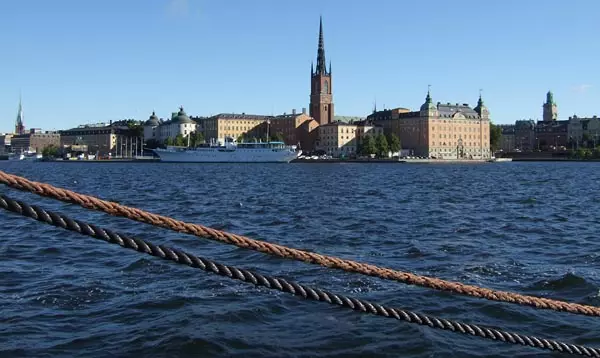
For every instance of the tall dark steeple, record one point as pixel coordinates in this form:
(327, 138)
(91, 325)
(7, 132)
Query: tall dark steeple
(321, 64)
(19, 126)
(321, 91)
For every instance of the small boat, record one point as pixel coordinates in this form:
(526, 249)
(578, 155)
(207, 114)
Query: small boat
(28, 155)
(499, 160)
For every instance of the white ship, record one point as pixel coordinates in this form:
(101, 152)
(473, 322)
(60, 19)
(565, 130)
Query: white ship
(231, 152)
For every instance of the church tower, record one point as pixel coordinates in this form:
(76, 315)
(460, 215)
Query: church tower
(19, 127)
(321, 89)
(550, 108)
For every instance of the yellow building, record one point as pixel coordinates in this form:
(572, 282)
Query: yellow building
(232, 125)
(444, 131)
(343, 139)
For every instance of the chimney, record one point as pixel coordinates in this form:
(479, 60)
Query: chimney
(294, 111)
(303, 110)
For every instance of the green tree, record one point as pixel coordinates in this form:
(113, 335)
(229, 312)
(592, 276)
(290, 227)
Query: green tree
(367, 145)
(394, 143)
(495, 137)
(382, 146)
(169, 141)
(196, 138)
(180, 140)
(50, 151)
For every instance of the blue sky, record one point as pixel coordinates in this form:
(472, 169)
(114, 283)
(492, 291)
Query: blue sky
(80, 61)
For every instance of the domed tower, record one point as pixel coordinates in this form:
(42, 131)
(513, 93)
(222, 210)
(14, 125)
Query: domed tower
(150, 127)
(550, 108)
(481, 109)
(429, 109)
(182, 124)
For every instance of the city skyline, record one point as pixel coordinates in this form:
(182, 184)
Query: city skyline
(160, 58)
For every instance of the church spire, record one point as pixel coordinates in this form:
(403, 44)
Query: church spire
(321, 65)
(19, 127)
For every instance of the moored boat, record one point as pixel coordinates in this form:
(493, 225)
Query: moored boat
(499, 160)
(231, 152)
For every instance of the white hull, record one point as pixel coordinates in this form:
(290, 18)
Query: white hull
(500, 160)
(27, 156)
(229, 155)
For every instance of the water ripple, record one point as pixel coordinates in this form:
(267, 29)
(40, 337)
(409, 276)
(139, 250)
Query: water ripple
(523, 227)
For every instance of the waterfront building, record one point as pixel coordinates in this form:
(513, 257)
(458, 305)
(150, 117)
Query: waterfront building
(5, 140)
(552, 135)
(340, 139)
(222, 125)
(114, 140)
(159, 130)
(34, 141)
(446, 131)
(295, 129)
(583, 131)
(507, 140)
(321, 86)
(525, 138)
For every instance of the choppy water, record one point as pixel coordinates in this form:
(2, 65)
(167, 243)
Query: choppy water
(525, 227)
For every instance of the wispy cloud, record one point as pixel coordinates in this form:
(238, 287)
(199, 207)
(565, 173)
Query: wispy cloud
(581, 88)
(178, 8)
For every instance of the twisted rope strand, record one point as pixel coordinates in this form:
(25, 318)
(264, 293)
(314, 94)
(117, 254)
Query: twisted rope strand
(116, 209)
(286, 286)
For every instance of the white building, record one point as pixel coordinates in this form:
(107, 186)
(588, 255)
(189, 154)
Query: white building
(160, 130)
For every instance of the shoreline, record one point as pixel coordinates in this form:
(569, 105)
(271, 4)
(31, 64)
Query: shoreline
(325, 161)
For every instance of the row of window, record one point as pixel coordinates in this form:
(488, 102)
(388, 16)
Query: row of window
(466, 144)
(466, 136)
(457, 129)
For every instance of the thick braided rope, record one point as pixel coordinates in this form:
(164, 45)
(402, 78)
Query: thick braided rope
(283, 285)
(116, 209)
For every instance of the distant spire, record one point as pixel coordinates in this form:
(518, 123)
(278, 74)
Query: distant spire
(321, 69)
(312, 67)
(480, 102)
(330, 67)
(19, 127)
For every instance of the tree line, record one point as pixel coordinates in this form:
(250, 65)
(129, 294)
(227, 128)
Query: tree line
(379, 145)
